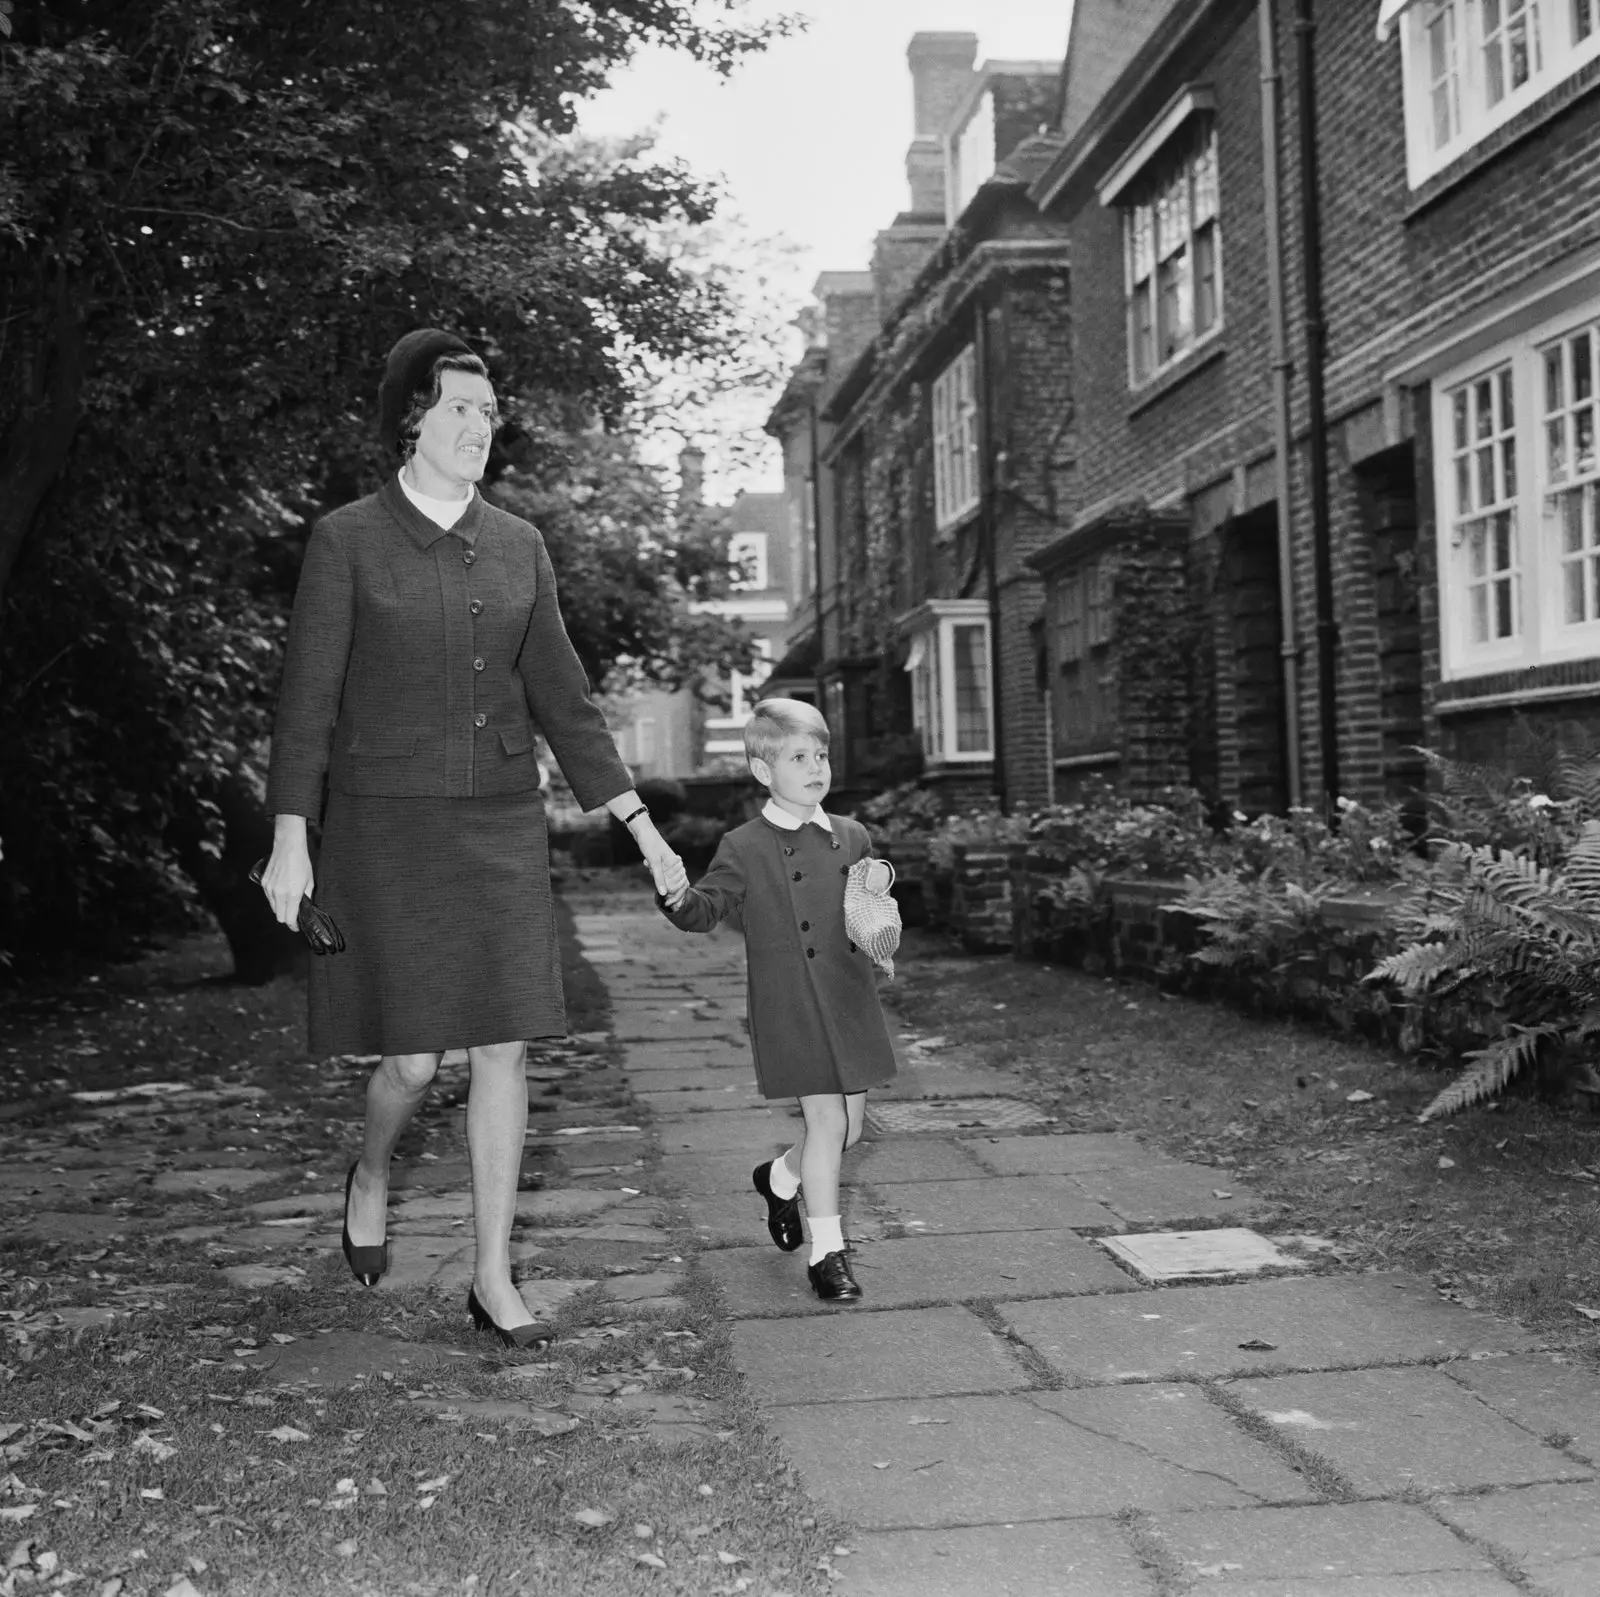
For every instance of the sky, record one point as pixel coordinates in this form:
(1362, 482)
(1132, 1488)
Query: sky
(810, 137)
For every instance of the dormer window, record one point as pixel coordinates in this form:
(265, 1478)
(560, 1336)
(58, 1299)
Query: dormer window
(747, 554)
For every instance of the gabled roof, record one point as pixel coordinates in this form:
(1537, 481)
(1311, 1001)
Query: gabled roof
(1106, 36)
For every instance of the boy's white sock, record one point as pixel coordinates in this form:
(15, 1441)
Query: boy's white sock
(826, 1236)
(782, 1183)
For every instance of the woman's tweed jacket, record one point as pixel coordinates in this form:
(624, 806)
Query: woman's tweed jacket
(421, 662)
(815, 1021)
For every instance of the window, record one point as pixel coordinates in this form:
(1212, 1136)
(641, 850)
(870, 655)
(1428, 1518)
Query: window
(955, 441)
(1470, 65)
(952, 703)
(723, 732)
(747, 551)
(1517, 466)
(1081, 617)
(1173, 250)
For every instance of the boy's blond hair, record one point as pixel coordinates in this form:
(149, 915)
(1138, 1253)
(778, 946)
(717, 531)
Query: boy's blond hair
(774, 720)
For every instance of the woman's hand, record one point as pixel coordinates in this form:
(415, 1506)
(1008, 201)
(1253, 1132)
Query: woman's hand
(288, 877)
(666, 869)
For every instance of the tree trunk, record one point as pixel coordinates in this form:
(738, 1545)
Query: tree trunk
(38, 442)
(262, 949)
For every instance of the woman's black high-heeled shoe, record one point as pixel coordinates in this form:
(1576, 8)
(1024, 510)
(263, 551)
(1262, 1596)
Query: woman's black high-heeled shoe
(367, 1265)
(531, 1335)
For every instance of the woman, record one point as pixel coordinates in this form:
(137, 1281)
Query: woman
(426, 647)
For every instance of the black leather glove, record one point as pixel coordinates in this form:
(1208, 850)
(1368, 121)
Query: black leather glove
(317, 926)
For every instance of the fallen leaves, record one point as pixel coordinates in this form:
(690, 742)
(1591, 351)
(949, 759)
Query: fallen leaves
(287, 1433)
(593, 1518)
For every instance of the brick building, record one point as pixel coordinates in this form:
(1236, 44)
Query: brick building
(1277, 592)
(926, 437)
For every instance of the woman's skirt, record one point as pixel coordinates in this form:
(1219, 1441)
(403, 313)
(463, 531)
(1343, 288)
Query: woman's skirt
(450, 940)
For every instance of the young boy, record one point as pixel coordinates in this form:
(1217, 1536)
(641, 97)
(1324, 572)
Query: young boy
(816, 1028)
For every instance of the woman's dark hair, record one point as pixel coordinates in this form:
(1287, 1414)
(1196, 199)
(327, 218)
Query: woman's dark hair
(423, 399)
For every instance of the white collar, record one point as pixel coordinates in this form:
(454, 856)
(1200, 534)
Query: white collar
(785, 822)
(442, 512)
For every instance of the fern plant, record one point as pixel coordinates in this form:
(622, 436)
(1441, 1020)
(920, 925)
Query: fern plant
(1523, 937)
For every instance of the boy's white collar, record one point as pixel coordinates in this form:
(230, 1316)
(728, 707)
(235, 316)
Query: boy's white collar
(784, 821)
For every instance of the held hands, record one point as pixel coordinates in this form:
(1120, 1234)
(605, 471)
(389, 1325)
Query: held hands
(666, 869)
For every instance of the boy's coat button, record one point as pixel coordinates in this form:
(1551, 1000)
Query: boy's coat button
(811, 953)
(787, 849)
(844, 870)
(805, 925)
(797, 876)
(834, 843)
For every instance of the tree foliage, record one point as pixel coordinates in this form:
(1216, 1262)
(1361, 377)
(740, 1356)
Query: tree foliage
(215, 216)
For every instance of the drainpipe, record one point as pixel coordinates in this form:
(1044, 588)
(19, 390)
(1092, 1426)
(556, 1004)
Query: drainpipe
(980, 361)
(1271, 118)
(1316, 400)
(816, 537)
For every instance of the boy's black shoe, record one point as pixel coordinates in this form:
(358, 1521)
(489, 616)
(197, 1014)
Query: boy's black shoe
(783, 1214)
(832, 1281)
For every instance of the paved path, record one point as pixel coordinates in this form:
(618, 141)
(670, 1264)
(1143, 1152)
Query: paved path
(1078, 1369)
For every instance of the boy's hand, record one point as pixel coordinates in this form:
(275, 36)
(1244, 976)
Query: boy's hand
(676, 886)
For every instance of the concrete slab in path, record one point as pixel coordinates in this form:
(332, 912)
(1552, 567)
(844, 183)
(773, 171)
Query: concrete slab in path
(1061, 1154)
(217, 1180)
(849, 1357)
(923, 1270)
(1544, 1393)
(1090, 1557)
(1283, 1549)
(343, 1358)
(1168, 1194)
(1552, 1532)
(1331, 1322)
(900, 1159)
(718, 1099)
(698, 1174)
(763, 1132)
(1002, 1203)
(1000, 1460)
(1389, 1430)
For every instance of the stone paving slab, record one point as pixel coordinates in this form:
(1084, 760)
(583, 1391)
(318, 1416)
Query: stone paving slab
(1168, 1194)
(650, 1285)
(442, 1262)
(1165, 1257)
(905, 1353)
(1454, 1584)
(214, 1180)
(1061, 1154)
(1392, 1430)
(703, 1100)
(698, 1174)
(1003, 1203)
(1553, 1532)
(892, 1159)
(694, 1078)
(763, 1131)
(1061, 1558)
(346, 1357)
(909, 1271)
(1330, 1322)
(944, 1079)
(657, 1060)
(653, 1028)
(1544, 1393)
(1340, 1541)
(999, 1460)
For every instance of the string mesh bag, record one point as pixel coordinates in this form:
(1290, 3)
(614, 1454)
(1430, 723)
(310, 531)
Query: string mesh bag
(872, 919)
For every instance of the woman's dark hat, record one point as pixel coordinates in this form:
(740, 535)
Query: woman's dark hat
(405, 371)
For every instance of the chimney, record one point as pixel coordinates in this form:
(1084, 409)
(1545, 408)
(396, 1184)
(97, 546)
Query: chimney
(691, 478)
(941, 77)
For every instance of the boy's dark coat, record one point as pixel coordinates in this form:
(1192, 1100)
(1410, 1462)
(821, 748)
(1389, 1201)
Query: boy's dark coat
(815, 1021)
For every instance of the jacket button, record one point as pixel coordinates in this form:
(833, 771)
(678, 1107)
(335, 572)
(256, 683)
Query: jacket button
(468, 556)
(852, 948)
(805, 925)
(834, 843)
(787, 849)
(480, 719)
(844, 870)
(811, 953)
(477, 665)
(476, 607)
(797, 876)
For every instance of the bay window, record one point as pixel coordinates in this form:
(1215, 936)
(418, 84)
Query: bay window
(952, 699)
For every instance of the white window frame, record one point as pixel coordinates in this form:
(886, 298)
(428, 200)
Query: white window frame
(1453, 48)
(956, 485)
(1164, 232)
(1544, 470)
(748, 551)
(931, 663)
